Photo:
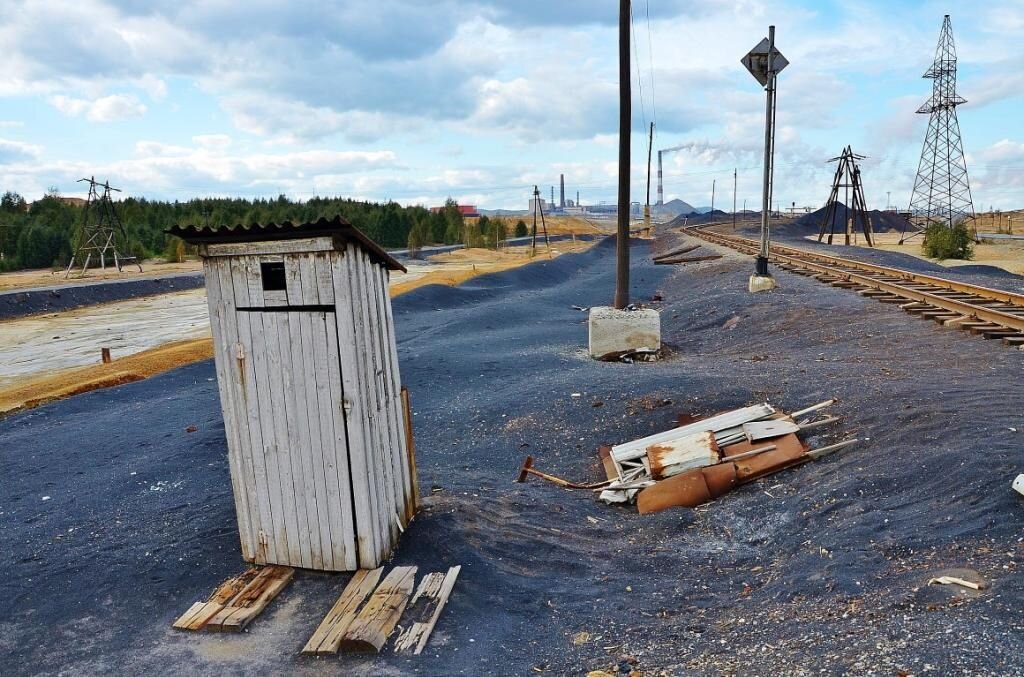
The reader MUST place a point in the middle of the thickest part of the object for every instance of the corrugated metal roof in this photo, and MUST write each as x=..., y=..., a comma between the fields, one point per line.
x=336, y=228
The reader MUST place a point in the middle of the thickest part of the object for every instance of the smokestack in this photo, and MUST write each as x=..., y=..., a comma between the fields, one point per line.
x=552, y=197
x=561, y=202
x=661, y=189
x=578, y=199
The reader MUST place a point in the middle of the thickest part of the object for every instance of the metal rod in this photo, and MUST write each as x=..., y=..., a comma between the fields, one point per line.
x=734, y=199
x=762, y=257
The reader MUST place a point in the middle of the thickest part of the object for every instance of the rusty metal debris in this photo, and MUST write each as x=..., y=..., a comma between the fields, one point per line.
x=703, y=459
x=528, y=470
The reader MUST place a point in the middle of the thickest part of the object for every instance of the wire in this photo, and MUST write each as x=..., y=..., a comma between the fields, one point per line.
x=636, y=59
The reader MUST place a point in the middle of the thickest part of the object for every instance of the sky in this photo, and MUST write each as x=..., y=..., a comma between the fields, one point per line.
x=415, y=101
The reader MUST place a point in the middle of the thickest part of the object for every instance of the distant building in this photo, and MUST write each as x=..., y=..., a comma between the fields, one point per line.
x=468, y=211
x=545, y=207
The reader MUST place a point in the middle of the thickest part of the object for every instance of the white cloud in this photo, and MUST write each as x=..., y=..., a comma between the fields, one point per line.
x=111, y=108
x=16, y=151
x=212, y=141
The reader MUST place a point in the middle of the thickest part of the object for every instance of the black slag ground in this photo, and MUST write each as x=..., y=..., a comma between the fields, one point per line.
x=818, y=569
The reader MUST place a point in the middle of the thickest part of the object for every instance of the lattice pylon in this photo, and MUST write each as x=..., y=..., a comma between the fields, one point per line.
x=942, y=191
x=100, y=229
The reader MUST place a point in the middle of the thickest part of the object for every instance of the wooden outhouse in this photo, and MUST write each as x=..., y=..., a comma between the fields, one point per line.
x=319, y=439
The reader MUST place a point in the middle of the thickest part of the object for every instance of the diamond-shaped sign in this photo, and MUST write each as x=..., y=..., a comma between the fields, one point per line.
x=756, y=61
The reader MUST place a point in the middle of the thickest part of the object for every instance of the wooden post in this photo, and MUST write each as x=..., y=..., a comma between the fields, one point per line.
x=105, y=355
x=625, y=117
x=411, y=445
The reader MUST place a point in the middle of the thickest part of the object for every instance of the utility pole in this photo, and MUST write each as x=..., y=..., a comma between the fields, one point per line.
x=647, y=205
x=625, y=117
x=734, y=199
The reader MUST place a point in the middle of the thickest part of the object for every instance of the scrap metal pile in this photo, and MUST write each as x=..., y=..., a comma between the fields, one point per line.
x=702, y=459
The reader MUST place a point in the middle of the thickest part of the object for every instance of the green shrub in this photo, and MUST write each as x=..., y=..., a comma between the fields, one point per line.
x=944, y=242
x=521, y=229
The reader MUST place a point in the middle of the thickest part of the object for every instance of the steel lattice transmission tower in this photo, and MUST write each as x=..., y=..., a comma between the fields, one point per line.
x=942, y=193
x=100, y=229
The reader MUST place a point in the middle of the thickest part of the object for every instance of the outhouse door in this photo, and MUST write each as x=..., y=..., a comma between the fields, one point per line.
x=296, y=413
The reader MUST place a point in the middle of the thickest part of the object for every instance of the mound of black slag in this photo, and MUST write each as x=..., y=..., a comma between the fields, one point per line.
x=810, y=224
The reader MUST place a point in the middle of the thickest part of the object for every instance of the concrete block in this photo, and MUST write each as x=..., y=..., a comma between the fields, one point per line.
x=618, y=331
x=762, y=283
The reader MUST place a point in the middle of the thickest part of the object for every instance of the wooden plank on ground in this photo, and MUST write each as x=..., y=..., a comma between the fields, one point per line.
x=252, y=600
x=200, y=613
x=375, y=623
x=332, y=628
x=425, y=609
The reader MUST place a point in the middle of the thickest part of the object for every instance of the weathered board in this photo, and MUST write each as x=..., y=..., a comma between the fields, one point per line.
x=237, y=602
x=375, y=623
x=674, y=456
x=425, y=608
x=332, y=628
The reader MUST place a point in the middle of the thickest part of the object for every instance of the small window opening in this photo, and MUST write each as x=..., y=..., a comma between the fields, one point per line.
x=272, y=274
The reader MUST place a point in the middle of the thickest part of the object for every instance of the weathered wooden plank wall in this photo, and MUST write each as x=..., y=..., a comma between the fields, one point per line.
x=312, y=406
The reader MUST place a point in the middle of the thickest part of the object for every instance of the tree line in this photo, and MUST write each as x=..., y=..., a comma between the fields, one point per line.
x=45, y=232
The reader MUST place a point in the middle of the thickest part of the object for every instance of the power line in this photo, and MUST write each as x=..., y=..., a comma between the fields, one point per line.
x=636, y=59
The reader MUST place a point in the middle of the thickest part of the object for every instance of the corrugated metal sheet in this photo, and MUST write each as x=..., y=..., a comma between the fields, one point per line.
x=337, y=228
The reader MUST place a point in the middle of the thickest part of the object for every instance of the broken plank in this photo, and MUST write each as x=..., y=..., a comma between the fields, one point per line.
x=425, y=609
x=252, y=600
x=198, y=615
x=762, y=430
x=327, y=637
x=375, y=623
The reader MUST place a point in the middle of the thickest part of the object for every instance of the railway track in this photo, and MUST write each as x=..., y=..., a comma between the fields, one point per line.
x=990, y=313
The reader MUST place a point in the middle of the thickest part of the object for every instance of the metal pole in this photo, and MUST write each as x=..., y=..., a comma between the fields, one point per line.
x=625, y=116
x=536, y=203
x=734, y=199
x=762, y=257
x=713, y=181
x=647, y=205
x=661, y=188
